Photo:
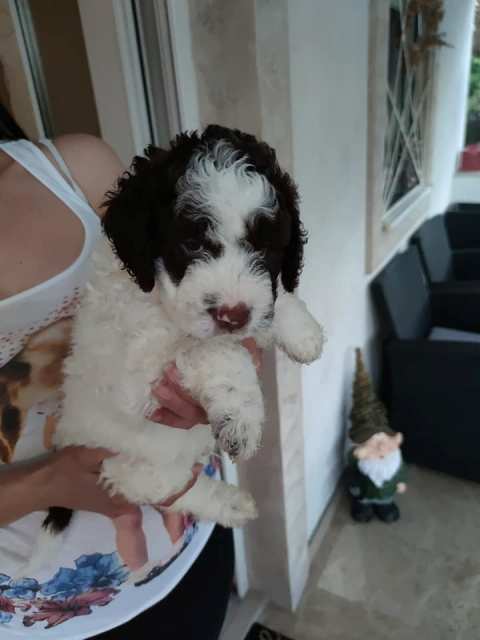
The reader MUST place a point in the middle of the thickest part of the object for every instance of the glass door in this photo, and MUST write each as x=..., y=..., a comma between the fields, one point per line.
x=55, y=49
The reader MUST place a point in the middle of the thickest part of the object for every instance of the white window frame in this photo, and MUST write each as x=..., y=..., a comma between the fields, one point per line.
x=25, y=49
x=387, y=226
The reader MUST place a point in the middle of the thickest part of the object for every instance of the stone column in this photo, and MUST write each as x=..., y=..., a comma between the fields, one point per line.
x=241, y=57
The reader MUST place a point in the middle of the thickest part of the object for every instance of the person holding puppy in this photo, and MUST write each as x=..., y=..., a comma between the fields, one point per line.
x=51, y=196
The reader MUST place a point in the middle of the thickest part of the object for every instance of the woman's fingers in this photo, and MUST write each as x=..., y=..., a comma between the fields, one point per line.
x=255, y=352
x=165, y=416
x=174, y=382
x=171, y=381
x=89, y=459
x=178, y=408
x=172, y=403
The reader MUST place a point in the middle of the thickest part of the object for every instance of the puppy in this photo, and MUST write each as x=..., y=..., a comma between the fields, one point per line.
x=207, y=250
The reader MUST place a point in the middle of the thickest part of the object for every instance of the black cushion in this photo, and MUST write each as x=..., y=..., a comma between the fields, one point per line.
x=433, y=399
x=402, y=296
x=463, y=225
x=470, y=207
x=435, y=250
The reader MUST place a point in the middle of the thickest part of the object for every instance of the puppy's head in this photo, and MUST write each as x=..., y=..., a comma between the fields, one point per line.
x=214, y=223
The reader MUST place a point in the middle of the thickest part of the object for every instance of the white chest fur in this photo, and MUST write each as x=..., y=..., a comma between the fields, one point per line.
x=123, y=339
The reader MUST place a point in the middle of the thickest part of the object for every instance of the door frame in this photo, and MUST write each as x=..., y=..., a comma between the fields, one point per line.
x=23, y=47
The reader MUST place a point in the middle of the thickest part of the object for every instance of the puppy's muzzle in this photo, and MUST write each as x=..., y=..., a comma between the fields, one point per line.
x=231, y=318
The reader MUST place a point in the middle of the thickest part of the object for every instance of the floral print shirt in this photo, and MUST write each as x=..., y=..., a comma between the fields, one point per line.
x=86, y=590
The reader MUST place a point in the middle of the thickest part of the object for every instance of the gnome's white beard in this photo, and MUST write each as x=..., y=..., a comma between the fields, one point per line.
x=380, y=470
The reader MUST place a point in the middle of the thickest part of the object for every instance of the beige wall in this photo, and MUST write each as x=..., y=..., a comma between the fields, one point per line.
x=108, y=75
x=240, y=52
x=296, y=72
x=62, y=50
x=15, y=79
x=330, y=98
x=223, y=34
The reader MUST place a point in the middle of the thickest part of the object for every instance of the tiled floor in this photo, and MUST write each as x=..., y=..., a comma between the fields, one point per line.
x=416, y=579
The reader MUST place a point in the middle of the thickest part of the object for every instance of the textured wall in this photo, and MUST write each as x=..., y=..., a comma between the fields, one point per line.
x=329, y=62
x=62, y=49
x=297, y=71
x=242, y=72
x=223, y=37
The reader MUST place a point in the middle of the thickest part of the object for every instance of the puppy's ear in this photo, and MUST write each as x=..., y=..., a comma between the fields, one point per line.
x=292, y=263
x=137, y=215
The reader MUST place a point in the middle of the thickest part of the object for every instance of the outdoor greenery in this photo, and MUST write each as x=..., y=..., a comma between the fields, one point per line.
x=474, y=90
x=473, y=112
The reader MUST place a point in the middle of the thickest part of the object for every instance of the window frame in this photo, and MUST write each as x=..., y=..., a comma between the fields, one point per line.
x=387, y=228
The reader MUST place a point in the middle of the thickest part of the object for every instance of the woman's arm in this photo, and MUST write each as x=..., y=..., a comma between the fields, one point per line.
x=22, y=488
x=67, y=478
x=94, y=165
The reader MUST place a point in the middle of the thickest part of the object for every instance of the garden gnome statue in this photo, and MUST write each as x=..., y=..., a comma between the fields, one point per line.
x=377, y=471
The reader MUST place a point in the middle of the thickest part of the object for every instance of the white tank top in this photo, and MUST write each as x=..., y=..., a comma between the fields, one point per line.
x=84, y=592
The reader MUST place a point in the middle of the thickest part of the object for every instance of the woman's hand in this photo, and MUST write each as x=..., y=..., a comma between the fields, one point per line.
x=178, y=409
x=71, y=481
x=66, y=478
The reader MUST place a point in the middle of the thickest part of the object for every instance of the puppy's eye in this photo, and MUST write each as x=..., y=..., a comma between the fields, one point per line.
x=193, y=245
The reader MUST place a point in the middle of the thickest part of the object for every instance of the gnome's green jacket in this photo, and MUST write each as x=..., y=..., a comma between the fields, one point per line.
x=362, y=488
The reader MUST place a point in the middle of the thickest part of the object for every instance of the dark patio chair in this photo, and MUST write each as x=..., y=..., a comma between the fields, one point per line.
x=431, y=381
x=462, y=221
x=453, y=276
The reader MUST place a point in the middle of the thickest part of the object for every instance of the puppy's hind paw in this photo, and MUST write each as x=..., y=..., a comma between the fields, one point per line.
x=237, y=508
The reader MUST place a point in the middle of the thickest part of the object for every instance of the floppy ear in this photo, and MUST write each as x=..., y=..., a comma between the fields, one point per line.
x=264, y=159
x=292, y=263
x=136, y=211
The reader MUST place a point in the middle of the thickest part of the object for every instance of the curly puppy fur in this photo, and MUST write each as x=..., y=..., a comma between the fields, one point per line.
x=207, y=250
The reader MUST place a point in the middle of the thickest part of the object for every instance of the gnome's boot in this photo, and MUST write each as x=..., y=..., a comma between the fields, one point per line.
x=361, y=512
x=387, y=512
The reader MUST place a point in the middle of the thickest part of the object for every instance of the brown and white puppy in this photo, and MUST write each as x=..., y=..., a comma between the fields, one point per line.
x=207, y=250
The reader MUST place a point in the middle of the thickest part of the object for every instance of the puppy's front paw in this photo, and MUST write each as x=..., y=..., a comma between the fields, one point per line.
x=296, y=331
x=240, y=439
x=308, y=346
x=238, y=427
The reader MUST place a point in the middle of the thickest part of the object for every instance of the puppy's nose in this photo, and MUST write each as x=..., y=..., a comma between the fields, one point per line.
x=231, y=318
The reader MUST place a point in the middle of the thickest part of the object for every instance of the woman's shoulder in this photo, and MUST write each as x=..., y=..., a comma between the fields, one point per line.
x=93, y=163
